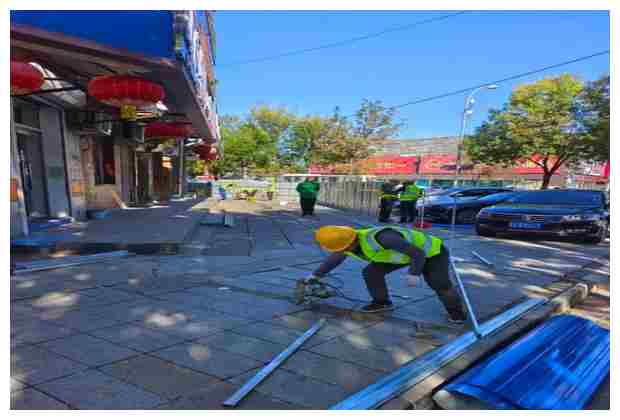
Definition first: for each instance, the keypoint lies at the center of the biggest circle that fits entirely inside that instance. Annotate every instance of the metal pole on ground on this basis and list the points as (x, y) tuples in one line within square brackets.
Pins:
[(470, 311), (277, 361)]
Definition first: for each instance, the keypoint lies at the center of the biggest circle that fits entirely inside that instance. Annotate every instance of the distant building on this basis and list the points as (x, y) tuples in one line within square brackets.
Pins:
[(433, 161)]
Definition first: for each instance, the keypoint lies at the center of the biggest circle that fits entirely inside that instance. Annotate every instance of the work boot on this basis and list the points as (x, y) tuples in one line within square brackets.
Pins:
[(375, 307)]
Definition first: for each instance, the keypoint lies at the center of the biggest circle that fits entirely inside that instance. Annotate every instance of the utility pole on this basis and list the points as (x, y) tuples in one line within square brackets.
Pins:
[(467, 110)]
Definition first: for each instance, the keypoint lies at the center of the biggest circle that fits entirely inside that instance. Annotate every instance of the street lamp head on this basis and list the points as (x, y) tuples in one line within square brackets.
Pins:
[(491, 86)]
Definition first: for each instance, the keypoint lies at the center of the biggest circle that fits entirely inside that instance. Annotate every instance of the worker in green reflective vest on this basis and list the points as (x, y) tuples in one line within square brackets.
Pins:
[(408, 199), (387, 249)]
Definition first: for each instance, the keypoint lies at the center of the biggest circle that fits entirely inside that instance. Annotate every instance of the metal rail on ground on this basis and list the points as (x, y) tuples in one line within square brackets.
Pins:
[(410, 374), (277, 361)]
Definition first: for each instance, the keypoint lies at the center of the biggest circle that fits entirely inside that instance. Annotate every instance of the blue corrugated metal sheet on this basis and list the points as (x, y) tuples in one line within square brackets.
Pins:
[(557, 366), (146, 32)]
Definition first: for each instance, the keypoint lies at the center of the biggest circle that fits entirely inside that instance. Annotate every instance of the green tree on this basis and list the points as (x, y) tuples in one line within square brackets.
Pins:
[(541, 123), (374, 122), (245, 148), (595, 117)]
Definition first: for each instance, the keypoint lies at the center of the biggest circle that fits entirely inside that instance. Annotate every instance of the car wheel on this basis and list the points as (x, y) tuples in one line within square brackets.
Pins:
[(466, 217), (484, 232), (602, 235)]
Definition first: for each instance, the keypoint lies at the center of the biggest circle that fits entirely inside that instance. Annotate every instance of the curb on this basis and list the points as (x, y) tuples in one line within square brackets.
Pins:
[(420, 396)]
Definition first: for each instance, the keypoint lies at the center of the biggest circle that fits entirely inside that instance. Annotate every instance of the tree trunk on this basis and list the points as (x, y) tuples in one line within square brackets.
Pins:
[(546, 180)]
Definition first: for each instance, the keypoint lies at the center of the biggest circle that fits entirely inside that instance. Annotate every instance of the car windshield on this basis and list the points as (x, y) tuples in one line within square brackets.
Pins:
[(571, 198), (498, 196)]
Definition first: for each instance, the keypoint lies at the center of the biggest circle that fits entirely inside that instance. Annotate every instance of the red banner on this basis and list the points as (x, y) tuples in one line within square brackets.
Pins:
[(438, 164), (390, 165)]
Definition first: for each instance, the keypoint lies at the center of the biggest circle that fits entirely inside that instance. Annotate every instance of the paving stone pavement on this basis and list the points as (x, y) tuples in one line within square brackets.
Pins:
[(185, 331)]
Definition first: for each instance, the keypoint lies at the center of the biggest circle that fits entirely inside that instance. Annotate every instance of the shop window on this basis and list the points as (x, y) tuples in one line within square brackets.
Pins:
[(26, 114), (103, 158)]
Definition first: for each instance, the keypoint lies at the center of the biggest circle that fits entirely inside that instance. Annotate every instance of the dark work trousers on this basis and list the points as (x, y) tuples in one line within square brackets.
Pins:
[(385, 210), (307, 206), (436, 274), (407, 211)]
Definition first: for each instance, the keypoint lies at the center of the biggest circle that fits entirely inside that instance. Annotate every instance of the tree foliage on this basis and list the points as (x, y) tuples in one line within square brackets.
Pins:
[(595, 116), (541, 123), (373, 121)]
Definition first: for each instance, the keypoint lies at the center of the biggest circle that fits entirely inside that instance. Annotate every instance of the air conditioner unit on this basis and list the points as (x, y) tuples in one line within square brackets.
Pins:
[(89, 122)]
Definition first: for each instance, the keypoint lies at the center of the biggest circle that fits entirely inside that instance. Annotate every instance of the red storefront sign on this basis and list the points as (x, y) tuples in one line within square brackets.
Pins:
[(390, 165), (438, 164)]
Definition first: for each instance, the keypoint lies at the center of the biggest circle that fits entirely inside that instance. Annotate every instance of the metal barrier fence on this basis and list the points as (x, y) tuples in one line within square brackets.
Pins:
[(358, 196)]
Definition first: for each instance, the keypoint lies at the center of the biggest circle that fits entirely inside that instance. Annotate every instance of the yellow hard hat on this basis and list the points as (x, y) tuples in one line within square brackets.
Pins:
[(335, 238)]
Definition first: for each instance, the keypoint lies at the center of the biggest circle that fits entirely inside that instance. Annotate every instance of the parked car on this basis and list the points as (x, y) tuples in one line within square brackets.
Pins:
[(466, 210), (582, 214)]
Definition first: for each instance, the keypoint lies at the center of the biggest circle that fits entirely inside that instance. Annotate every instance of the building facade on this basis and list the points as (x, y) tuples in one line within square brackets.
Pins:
[(71, 152), (432, 161)]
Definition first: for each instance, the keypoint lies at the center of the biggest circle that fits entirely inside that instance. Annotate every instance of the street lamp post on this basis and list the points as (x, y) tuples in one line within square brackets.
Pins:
[(467, 110)]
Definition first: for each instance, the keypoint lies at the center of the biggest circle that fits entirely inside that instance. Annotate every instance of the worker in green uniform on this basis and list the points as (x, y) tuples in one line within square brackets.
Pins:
[(408, 199), (308, 191)]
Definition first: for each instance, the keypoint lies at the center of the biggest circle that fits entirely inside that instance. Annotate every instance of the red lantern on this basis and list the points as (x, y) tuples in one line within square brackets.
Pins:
[(126, 92), (161, 130), (25, 78)]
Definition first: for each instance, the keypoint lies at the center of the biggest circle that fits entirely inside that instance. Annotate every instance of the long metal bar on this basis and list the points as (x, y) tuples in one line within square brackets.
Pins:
[(471, 316), (470, 311), (234, 399), (31, 267), (481, 258), (410, 374)]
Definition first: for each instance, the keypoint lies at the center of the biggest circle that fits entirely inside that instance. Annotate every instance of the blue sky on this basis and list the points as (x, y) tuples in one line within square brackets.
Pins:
[(398, 67)]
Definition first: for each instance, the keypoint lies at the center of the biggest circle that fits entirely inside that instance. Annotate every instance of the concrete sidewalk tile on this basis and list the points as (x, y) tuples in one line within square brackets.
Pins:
[(88, 350), (244, 345), (297, 389), (62, 300), (93, 390), (363, 353), (80, 320), (268, 332), (211, 398), (346, 375), (36, 331), (207, 359), (158, 376), (136, 337), (31, 399), (108, 295), (33, 365)]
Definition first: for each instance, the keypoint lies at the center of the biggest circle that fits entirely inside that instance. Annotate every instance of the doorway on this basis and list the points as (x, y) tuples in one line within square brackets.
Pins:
[(30, 156)]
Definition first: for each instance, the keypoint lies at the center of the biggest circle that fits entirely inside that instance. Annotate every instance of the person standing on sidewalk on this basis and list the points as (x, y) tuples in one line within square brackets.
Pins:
[(389, 194), (308, 191), (408, 199), (387, 249)]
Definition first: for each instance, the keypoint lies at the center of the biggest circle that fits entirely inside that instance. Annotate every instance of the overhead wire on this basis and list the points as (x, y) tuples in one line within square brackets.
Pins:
[(345, 41)]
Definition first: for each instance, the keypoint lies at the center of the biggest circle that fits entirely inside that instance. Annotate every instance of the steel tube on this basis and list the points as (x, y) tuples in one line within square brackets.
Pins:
[(410, 374), (481, 258), (31, 267), (264, 372), (471, 316)]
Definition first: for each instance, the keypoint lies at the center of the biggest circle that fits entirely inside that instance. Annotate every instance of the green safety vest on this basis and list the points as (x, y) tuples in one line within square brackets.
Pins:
[(411, 193), (374, 252)]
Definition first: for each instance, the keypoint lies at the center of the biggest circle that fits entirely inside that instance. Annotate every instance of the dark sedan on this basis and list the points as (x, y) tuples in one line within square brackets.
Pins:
[(466, 210), (582, 214), (439, 207)]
